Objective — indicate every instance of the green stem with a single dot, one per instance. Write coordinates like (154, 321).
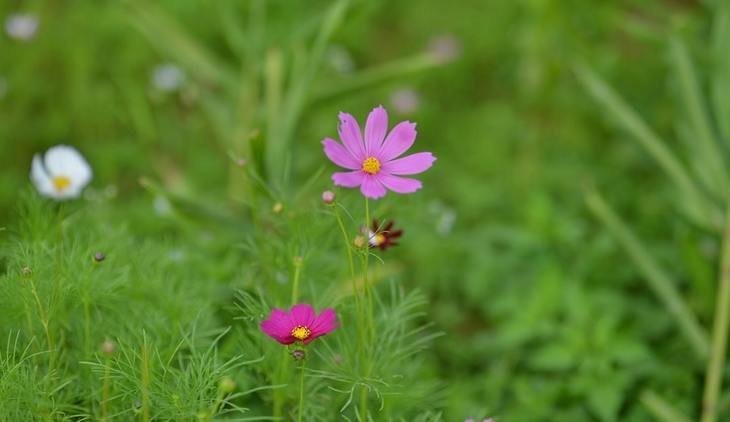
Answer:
(295, 285)
(713, 378)
(366, 282)
(145, 383)
(87, 327)
(301, 392)
(45, 323)
(105, 390)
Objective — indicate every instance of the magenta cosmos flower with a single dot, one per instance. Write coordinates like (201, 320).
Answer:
(372, 160)
(301, 324)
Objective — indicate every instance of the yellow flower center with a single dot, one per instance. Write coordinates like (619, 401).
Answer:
(61, 183)
(371, 165)
(300, 333)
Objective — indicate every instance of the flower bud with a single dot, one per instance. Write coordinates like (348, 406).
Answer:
(108, 347)
(328, 197)
(278, 208)
(26, 271)
(227, 385)
(298, 354)
(359, 241)
(99, 256)
(297, 261)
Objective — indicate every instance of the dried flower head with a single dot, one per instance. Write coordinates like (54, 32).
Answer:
(299, 325)
(108, 347)
(383, 236)
(99, 256)
(372, 159)
(298, 354)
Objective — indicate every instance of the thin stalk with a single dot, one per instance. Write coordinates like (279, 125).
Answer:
(145, 383)
(295, 285)
(45, 323)
(279, 392)
(105, 389)
(713, 377)
(87, 326)
(301, 392)
(368, 290)
(658, 407)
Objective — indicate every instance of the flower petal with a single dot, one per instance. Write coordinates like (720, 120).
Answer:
(349, 179)
(40, 178)
(302, 314)
(375, 128)
(63, 160)
(399, 184)
(339, 155)
(371, 187)
(398, 141)
(325, 323)
(350, 135)
(410, 164)
(278, 326)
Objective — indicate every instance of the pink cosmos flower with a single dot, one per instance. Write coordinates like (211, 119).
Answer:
(300, 324)
(372, 160)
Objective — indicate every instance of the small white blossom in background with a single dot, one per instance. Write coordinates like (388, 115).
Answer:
(405, 100)
(162, 206)
(445, 48)
(340, 59)
(445, 217)
(61, 173)
(168, 77)
(21, 26)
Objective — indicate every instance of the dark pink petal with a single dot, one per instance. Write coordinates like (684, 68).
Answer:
(410, 164)
(371, 187)
(278, 326)
(325, 322)
(350, 136)
(302, 314)
(398, 141)
(339, 155)
(399, 184)
(349, 179)
(375, 128)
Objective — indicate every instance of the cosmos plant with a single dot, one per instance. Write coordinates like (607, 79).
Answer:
(61, 173)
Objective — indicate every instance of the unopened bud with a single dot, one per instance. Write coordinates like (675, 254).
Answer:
(328, 197)
(99, 256)
(298, 354)
(26, 271)
(359, 241)
(227, 385)
(297, 261)
(277, 208)
(108, 347)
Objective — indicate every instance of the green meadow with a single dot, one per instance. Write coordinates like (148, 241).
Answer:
(566, 257)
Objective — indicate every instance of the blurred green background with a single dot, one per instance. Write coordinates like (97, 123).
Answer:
(545, 316)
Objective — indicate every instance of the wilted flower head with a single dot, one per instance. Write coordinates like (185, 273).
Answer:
(383, 236)
(299, 325)
(61, 173)
(445, 48)
(99, 256)
(405, 100)
(168, 77)
(373, 159)
(21, 26)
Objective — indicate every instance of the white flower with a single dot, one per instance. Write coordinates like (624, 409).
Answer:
(21, 26)
(168, 77)
(61, 173)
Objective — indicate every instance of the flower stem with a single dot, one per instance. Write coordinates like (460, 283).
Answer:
(295, 284)
(144, 369)
(45, 323)
(713, 378)
(105, 390)
(366, 282)
(301, 392)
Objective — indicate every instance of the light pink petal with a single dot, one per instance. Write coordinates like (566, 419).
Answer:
(375, 128)
(410, 164)
(399, 184)
(371, 187)
(350, 136)
(339, 155)
(302, 314)
(398, 141)
(349, 179)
